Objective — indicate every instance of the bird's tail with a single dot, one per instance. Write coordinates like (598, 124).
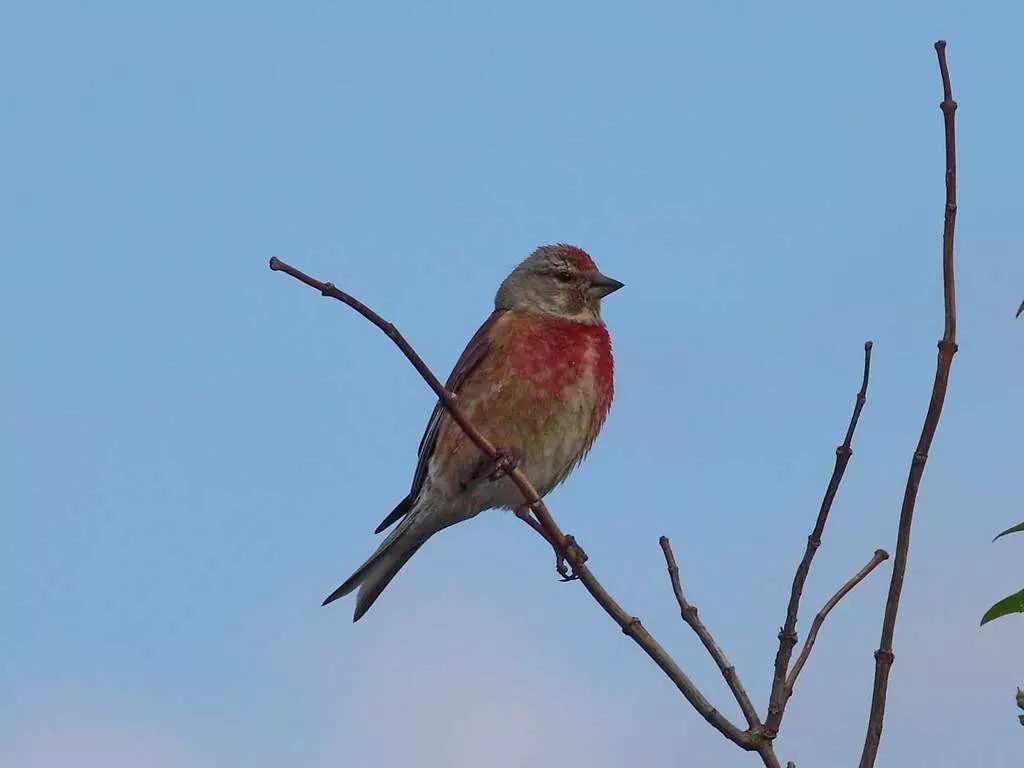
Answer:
(378, 571)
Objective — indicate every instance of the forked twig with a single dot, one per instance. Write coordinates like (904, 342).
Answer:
(877, 559)
(787, 635)
(947, 348)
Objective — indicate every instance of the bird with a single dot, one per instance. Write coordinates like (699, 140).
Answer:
(536, 379)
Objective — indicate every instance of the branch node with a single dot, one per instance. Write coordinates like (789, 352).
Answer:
(631, 626)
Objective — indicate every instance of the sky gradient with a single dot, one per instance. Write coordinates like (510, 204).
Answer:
(195, 450)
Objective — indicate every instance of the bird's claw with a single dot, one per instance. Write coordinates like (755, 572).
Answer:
(569, 556)
(567, 561)
(564, 571)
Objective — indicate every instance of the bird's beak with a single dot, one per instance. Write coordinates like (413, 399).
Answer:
(602, 285)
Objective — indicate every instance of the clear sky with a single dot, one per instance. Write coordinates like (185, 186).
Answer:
(195, 451)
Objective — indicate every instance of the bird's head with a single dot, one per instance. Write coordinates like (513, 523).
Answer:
(560, 280)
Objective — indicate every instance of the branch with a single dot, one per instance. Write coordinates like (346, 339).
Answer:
(689, 614)
(787, 635)
(564, 546)
(947, 348)
(629, 624)
(877, 559)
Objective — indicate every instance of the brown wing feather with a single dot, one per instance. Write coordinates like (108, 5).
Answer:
(475, 351)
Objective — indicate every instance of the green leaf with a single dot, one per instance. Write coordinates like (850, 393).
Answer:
(1015, 529)
(1012, 604)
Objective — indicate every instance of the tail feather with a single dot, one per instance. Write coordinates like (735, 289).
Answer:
(376, 581)
(396, 514)
(377, 572)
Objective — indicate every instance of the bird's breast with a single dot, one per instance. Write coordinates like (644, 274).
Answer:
(562, 376)
(557, 355)
(541, 395)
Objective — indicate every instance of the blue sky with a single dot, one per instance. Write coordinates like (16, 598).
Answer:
(195, 450)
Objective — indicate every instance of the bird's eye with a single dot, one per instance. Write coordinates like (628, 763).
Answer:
(563, 277)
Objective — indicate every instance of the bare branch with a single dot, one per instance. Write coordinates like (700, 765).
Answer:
(329, 290)
(629, 624)
(565, 548)
(947, 348)
(787, 635)
(689, 614)
(877, 559)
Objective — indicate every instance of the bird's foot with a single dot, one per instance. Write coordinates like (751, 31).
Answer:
(503, 465)
(491, 470)
(568, 558)
(567, 562)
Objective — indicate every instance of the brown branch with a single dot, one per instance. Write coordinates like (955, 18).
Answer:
(947, 348)
(787, 635)
(689, 614)
(630, 625)
(877, 559)
(565, 547)
(328, 289)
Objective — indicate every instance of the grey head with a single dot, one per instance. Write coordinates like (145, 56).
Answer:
(560, 280)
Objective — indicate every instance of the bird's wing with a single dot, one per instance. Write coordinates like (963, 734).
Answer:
(475, 351)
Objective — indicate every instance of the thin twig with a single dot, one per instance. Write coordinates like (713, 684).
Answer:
(690, 616)
(947, 348)
(787, 635)
(566, 547)
(629, 624)
(877, 559)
